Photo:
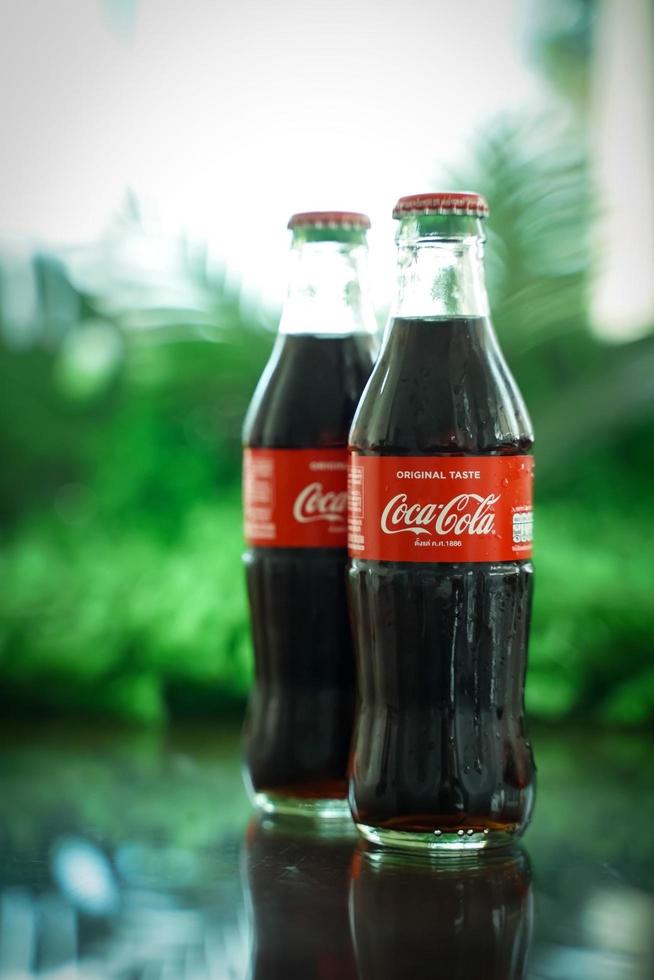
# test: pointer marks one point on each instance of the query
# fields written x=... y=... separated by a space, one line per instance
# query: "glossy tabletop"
x=136 y=855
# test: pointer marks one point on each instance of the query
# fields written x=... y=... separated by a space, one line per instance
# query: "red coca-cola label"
x=440 y=508
x=295 y=498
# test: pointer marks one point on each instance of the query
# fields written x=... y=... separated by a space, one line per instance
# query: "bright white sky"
x=225 y=116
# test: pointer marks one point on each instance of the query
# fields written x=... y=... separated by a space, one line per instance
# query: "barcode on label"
x=523 y=526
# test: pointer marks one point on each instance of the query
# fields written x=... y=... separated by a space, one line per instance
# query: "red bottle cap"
x=329 y=219
x=442 y=202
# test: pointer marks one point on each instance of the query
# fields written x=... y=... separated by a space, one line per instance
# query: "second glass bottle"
x=299 y=724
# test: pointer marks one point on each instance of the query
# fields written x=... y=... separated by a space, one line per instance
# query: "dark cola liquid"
x=453 y=921
x=440 y=742
x=298 y=889
x=299 y=723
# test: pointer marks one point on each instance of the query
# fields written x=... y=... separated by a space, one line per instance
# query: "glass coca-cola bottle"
x=299 y=722
x=440 y=579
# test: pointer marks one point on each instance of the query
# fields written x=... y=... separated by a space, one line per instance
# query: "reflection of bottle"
x=298 y=894
x=440 y=538
x=295 y=496
x=465 y=918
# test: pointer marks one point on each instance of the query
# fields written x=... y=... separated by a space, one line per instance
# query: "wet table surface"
x=136 y=854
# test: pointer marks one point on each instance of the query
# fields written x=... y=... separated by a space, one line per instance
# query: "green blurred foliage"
x=592 y=405
x=120 y=415
x=120 y=561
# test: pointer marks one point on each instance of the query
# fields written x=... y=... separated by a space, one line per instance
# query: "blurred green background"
x=121 y=401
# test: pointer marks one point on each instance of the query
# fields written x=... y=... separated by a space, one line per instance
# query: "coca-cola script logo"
x=467 y=513
x=314 y=504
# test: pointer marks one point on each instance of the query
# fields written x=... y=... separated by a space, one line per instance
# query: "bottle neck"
x=440 y=268
x=328 y=293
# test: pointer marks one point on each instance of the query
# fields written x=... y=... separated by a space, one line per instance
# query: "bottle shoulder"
x=441 y=387
x=308 y=391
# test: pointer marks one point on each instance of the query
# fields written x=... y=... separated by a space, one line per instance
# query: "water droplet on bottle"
x=505 y=482
x=460 y=833
x=466 y=769
x=438 y=833
x=470 y=832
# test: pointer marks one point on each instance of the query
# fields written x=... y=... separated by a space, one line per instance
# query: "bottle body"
x=301 y=709
x=300 y=715
x=440 y=587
